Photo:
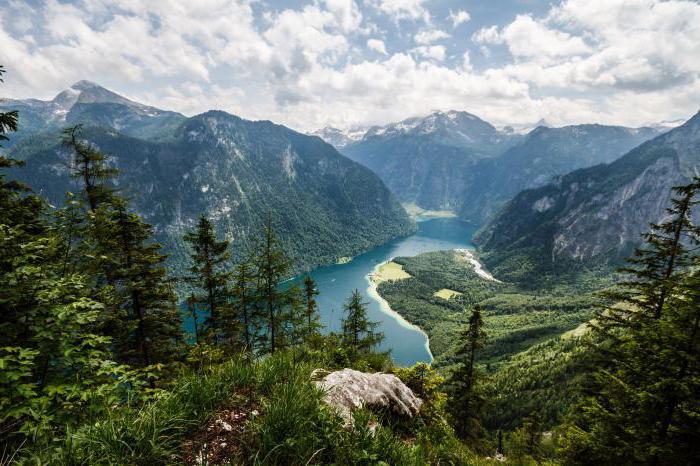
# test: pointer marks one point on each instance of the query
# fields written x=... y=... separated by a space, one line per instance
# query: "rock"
x=223 y=425
x=348 y=390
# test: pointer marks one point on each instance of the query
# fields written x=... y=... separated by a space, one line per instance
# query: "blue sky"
x=347 y=63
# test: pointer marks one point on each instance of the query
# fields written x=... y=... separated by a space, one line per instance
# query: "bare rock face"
x=348 y=390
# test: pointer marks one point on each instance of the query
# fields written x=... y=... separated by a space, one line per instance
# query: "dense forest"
x=96 y=368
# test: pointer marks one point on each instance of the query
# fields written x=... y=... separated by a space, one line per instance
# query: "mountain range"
x=457 y=161
x=235 y=171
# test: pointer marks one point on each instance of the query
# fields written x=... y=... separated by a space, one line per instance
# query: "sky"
x=348 y=63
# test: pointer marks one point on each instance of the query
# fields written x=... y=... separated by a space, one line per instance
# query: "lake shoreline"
x=384 y=306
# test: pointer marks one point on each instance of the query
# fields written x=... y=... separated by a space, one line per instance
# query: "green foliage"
x=640 y=404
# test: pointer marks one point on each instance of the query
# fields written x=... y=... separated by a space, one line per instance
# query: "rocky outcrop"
x=348 y=390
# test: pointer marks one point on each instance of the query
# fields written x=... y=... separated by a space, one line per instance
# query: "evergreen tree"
x=359 y=333
x=152 y=323
x=243 y=294
x=272 y=266
x=192 y=310
x=467 y=400
x=209 y=260
x=311 y=324
x=89 y=166
x=641 y=405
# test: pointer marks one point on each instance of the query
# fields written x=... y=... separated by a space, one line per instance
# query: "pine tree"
x=359 y=333
x=467 y=400
x=273 y=266
x=311 y=324
x=210 y=258
x=641 y=406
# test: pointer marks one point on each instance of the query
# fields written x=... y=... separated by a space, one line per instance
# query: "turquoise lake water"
x=336 y=283
x=408 y=344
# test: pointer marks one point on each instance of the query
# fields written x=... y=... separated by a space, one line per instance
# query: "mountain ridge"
x=235 y=171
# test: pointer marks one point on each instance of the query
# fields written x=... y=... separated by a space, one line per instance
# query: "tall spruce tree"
x=467 y=400
x=148 y=302
x=209 y=273
x=311 y=318
x=90 y=167
x=641 y=405
x=359 y=333
x=243 y=307
x=273 y=266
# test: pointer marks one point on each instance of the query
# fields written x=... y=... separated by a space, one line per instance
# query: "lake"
x=408 y=344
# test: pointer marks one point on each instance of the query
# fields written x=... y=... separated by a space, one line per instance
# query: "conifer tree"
x=243 y=307
x=209 y=274
x=467 y=400
x=641 y=406
x=89 y=166
x=152 y=321
x=311 y=324
x=272 y=266
x=359 y=333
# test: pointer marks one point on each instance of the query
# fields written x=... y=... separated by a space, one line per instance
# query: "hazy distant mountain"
x=599 y=211
x=430 y=161
x=236 y=171
x=339 y=138
x=455 y=160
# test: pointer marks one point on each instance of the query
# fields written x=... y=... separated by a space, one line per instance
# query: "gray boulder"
x=348 y=390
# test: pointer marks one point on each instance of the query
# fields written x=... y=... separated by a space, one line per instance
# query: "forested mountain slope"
x=235 y=171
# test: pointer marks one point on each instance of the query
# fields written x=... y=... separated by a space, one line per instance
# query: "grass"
x=293 y=427
x=390 y=271
x=446 y=293
x=415 y=211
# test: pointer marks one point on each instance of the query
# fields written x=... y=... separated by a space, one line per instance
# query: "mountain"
x=541 y=156
x=237 y=172
x=88 y=103
x=430 y=161
x=457 y=161
x=597 y=212
x=339 y=138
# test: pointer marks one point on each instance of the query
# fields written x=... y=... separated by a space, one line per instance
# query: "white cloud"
x=489 y=35
x=435 y=52
x=458 y=17
x=611 y=61
x=430 y=36
x=377 y=46
x=402 y=9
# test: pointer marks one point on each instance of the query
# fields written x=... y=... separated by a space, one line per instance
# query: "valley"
x=209 y=287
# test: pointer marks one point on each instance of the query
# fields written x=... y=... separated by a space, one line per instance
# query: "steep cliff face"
x=238 y=173
x=603 y=210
